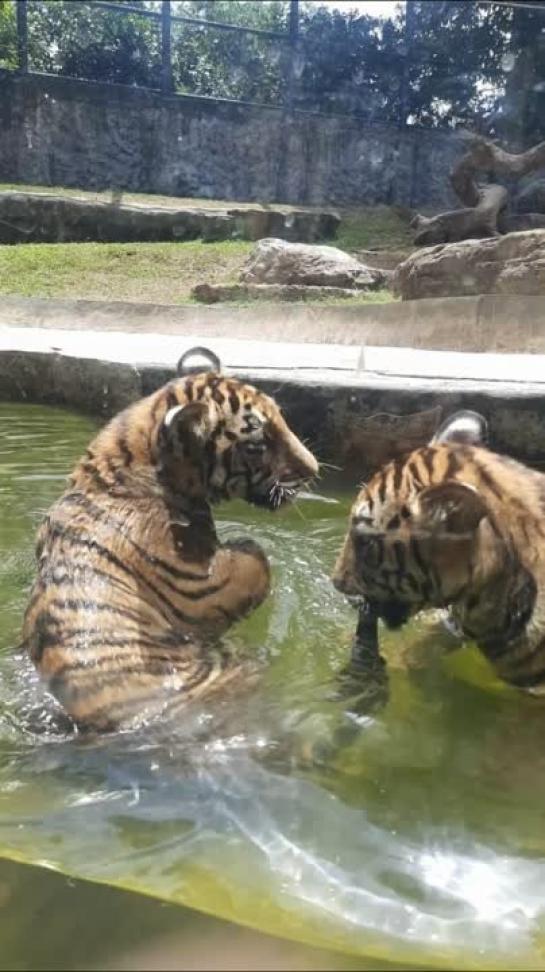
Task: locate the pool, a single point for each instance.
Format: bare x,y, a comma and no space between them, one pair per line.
421,843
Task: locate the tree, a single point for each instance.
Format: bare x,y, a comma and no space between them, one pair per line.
349,63
444,64
455,54
208,61
83,41
524,106
8,36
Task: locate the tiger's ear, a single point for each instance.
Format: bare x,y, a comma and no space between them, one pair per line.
466,427
187,427
196,360
451,507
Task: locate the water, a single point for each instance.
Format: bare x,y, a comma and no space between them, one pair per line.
421,843
51,922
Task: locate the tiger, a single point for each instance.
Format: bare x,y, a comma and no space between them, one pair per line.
134,589
455,526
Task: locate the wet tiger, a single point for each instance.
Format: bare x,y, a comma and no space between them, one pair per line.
456,525
133,588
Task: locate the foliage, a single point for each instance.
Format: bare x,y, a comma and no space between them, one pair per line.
8,36
227,64
524,107
82,41
456,62
435,63
349,63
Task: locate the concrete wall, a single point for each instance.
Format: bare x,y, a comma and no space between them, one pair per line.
72,133
355,410
494,323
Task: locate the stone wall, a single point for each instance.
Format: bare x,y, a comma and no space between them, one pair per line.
55,131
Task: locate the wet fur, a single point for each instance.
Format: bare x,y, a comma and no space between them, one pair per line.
133,588
456,525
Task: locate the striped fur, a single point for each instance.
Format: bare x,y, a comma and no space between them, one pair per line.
456,525
133,587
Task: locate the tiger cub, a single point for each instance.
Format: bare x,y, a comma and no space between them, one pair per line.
455,525
133,587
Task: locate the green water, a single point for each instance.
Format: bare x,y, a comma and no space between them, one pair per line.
423,843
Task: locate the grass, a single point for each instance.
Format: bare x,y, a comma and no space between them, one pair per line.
162,273
166,272
149,272
373,228
360,297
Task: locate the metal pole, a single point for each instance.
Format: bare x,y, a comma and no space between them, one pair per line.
294,20
22,35
293,39
406,73
167,83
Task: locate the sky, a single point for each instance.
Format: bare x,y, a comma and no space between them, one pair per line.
378,8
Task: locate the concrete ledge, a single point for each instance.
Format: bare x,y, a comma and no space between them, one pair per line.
345,399
33,217
486,323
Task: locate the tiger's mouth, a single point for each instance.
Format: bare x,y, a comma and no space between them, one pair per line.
395,613
276,494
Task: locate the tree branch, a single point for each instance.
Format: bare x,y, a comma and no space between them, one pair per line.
482,215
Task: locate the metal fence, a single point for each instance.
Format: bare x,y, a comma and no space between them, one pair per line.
381,91
166,20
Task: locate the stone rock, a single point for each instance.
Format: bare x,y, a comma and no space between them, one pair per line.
531,198
303,226
512,264
275,261
207,293
383,259
32,217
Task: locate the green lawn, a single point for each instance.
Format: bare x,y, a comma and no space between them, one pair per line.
373,228
166,272
156,272
162,273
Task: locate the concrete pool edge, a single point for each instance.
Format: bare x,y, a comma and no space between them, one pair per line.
332,394
495,323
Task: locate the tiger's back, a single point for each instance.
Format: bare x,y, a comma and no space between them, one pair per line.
133,588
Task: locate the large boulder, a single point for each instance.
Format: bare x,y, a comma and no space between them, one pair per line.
275,261
512,264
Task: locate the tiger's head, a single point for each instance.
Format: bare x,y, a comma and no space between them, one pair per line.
418,536
237,441
209,437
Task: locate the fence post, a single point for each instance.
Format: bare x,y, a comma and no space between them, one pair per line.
293,38
282,190
405,83
22,35
167,83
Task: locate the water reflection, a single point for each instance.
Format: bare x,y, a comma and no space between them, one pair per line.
422,842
